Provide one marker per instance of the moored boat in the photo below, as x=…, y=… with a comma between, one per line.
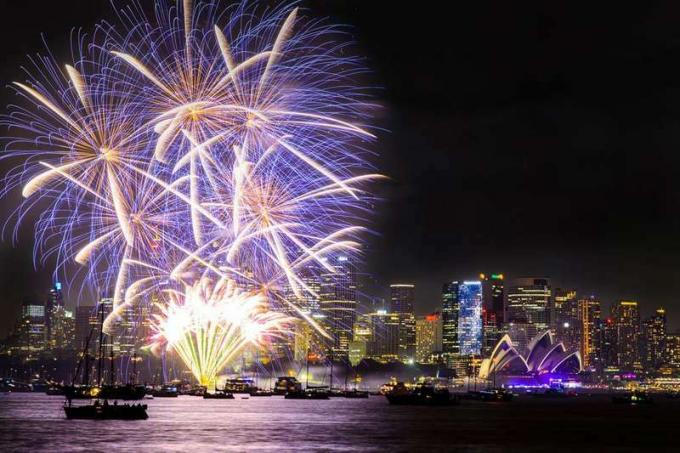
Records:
x=421, y=395
x=106, y=411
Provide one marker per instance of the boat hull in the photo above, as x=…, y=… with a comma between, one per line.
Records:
x=110, y=412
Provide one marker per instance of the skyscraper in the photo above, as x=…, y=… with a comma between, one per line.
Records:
x=428, y=336
x=528, y=308
x=654, y=340
x=589, y=314
x=384, y=344
x=627, y=320
x=673, y=350
x=338, y=300
x=402, y=296
x=566, y=321
x=493, y=308
x=450, y=313
x=470, y=318
x=53, y=304
x=32, y=333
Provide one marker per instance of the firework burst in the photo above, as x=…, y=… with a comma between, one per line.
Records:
x=206, y=153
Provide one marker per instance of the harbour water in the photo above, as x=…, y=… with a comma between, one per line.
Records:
x=36, y=422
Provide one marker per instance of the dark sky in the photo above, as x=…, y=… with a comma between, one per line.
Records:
x=529, y=138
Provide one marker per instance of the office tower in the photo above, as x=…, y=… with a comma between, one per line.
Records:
x=528, y=307
x=384, y=344
x=589, y=314
x=428, y=336
x=339, y=304
x=566, y=321
x=450, y=312
x=609, y=345
x=673, y=351
x=402, y=296
x=31, y=332
x=470, y=318
x=654, y=340
x=53, y=304
x=492, y=311
x=309, y=303
x=627, y=319
x=62, y=336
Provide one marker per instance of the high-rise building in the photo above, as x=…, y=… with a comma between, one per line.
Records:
x=654, y=341
x=470, y=318
x=339, y=304
x=609, y=345
x=528, y=308
x=566, y=320
x=62, y=335
x=590, y=315
x=493, y=309
x=384, y=344
x=673, y=350
x=402, y=296
x=84, y=315
x=53, y=304
x=627, y=320
x=428, y=336
x=31, y=332
x=450, y=313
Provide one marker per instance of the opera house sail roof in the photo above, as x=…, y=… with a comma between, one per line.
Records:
x=542, y=356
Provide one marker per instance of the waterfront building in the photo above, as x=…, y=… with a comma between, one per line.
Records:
x=493, y=310
x=627, y=319
x=528, y=307
x=450, y=314
x=470, y=318
x=338, y=303
x=566, y=323
x=654, y=341
x=402, y=297
x=428, y=337
x=384, y=344
x=589, y=317
x=673, y=351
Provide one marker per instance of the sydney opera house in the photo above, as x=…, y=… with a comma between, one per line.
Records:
x=542, y=362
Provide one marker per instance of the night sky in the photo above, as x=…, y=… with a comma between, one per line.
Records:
x=524, y=138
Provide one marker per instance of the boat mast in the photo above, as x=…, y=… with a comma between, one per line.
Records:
x=101, y=344
x=307, y=372
x=111, y=379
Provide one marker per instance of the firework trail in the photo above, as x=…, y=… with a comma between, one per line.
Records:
x=206, y=153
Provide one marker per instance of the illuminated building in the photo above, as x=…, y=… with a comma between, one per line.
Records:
x=357, y=351
x=384, y=344
x=493, y=309
x=470, y=318
x=544, y=360
x=402, y=296
x=428, y=336
x=566, y=320
x=608, y=346
x=627, y=319
x=589, y=314
x=54, y=304
x=62, y=333
x=450, y=313
x=528, y=308
x=31, y=332
x=84, y=314
x=654, y=340
x=338, y=300
x=673, y=351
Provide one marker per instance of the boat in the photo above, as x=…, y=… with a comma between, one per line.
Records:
x=239, y=385
x=310, y=393
x=106, y=411
x=286, y=384
x=260, y=392
x=81, y=392
x=355, y=394
x=165, y=391
x=634, y=398
x=218, y=396
x=420, y=395
x=491, y=394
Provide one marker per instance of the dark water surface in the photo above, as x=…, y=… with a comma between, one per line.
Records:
x=36, y=422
